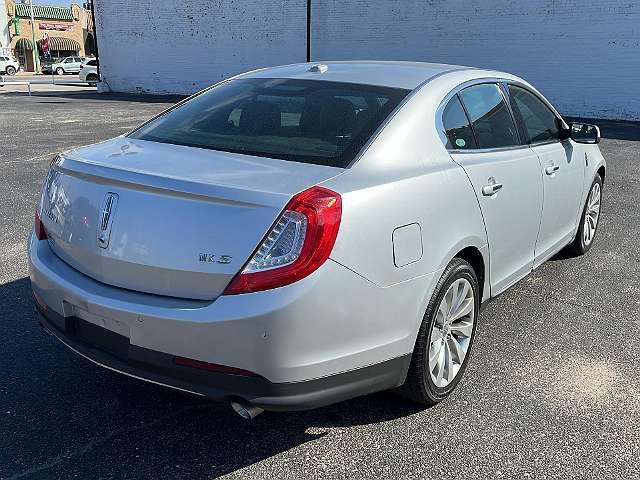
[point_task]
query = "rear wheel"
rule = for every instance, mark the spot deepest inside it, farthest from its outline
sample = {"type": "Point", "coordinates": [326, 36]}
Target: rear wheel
{"type": "Point", "coordinates": [589, 220]}
{"type": "Point", "coordinates": [443, 346]}
{"type": "Point", "coordinates": [11, 70]}
{"type": "Point", "coordinates": [92, 79]}
{"type": "Point", "coordinates": [59, 71]}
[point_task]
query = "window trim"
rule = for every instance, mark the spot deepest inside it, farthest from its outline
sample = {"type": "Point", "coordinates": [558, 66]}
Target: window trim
{"type": "Point", "coordinates": [442, 133]}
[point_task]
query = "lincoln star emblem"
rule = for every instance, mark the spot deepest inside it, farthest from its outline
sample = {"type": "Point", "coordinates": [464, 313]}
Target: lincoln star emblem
{"type": "Point", "coordinates": [106, 219]}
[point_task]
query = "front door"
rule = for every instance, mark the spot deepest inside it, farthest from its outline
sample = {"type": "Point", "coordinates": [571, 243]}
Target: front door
{"type": "Point", "coordinates": [505, 176]}
{"type": "Point", "coordinates": [562, 170]}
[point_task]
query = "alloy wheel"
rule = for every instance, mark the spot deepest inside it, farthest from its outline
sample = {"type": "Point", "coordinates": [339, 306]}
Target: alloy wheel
{"type": "Point", "coordinates": [451, 333]}
{"type": "Point", "coordinates": [592, 215]}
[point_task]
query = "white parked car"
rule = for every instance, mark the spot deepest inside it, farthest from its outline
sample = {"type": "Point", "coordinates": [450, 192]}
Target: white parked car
{"type": "Point", "coordinates": [67, 65]}
{"type": "Point", "coordinates": [8, 65]}
{"type": "Point", "coordinates": [89, 71]}
{"type": "Point", "coordinates": [300, 235]}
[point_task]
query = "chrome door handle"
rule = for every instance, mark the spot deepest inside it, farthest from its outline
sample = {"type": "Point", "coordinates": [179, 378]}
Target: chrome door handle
{"type": "Point", "coordinates": [552, 169]}
{"type": "Point", "coordinates": [489, 190]}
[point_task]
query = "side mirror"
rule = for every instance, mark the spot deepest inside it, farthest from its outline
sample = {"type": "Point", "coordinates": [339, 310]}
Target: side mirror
{"type": "Point", "coordinates": [584, 133]}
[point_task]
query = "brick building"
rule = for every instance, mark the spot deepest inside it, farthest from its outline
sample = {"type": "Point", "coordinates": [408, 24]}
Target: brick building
{"type": "Point", "coordinates": [584, 55]}
{"type": "Point", "coordinates": [65, 26]}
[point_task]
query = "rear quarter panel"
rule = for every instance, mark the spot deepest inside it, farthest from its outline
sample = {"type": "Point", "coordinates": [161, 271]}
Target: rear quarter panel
{"type": "Point", "coordinates": [406, 176]}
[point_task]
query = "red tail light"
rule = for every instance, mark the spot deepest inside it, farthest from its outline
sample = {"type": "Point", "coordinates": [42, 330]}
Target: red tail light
{"type": "Point", "coordinates": [296, 246]}
{"type": "Point", "coordinates": [41, 233]}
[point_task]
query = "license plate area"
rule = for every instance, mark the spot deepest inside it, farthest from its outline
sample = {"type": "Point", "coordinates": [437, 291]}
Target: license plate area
{"type": "Point", "coordinates": [104, 334]}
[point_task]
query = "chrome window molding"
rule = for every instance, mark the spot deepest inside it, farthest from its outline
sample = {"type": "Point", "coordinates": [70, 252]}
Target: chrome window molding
{"type": "Point", "coordinates": [442, 133]}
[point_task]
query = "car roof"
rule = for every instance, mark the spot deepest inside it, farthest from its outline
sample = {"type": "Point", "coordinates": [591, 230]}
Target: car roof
{"type": "Point", "coordinates": [408, 75]}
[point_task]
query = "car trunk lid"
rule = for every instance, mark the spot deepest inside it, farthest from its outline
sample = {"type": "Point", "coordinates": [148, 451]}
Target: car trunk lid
{"type": "Point", "coordinates": [166, 219]}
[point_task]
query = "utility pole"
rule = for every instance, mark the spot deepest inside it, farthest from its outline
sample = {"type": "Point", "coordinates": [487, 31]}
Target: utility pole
{"type": "Point", "coordinates": [36, 57]}
{"type": "Point", "coordinates": [308, 30]}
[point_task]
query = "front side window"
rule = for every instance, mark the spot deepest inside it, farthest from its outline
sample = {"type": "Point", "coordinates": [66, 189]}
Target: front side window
{"type": "Point", "coordinates": [490, 117]}
{"type": "Point", "coordinates": [540, 123]}
{"type": "Point", "coordinates": [310, 121]}
{"type": "Point", "coordinates": [456, 124]}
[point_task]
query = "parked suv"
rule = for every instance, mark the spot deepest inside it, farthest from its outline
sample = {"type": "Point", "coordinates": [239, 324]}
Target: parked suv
{"type": "Point", "coordinates": [67, 65]}
{"type": "Point", "coordinates": [9, 65]}
{"type": "Point", "coordinates": [89, 71]}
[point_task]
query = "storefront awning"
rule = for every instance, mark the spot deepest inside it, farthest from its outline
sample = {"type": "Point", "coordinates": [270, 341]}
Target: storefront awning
{"type": "Point", "coordinates": [44, 12]}
{"type": "Point", "coordinates": [24, 44]}
{"type": "Point", "coordinates": [62, 43]}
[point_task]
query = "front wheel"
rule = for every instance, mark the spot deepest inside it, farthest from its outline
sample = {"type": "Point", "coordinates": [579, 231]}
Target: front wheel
{"type": "Point", "coordinates": [589, 219]}
{"type": "Point", "coordinates": [59, 71]}
{"type": "Point", "coordinates": [443, 346]}
{"type": "Point", "coordinates": [11, 70]}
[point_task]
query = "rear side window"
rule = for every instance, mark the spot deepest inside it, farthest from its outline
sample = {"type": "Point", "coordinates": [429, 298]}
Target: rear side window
{"type": "Point", "coordinates": [540, 123]}
{"type": "Point", "coordinates": [310, 121]}
{"type": "Point", "coordinates": [92, 63]}
{"type": "Point", "coordinates": [456, 124]}
{"type": "Point", "coordinates": [490, 117]}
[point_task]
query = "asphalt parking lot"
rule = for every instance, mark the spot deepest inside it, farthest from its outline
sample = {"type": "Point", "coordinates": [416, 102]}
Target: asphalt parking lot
{"type": "Point", "coordinates": [552, 391]}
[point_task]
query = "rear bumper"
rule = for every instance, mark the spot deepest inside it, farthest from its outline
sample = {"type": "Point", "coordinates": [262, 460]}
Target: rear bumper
{"type": "Point", "coordinates": [328, 337]}
{"type": "Point", "coordinates": [113, 351]}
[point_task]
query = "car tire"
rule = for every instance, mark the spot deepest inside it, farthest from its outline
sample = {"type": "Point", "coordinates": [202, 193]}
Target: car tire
{"type": "Point", "coordinates": [589, 220]}
{"type": "Point", "coordinates": [59, 71]}
{"type": "Point", "coordinates": [11, 70]}
{"type": "Point", "coordinates": [92, 79]}
{"type": "Point", "coordinates": [420, 385]}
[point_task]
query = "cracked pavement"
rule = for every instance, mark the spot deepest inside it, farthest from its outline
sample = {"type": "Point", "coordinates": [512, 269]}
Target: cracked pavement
{"type": "Point", "coordinates": [552, 390]}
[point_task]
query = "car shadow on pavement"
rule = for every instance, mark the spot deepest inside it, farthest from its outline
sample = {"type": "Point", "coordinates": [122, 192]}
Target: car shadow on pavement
{"type": "Point", "coordinates": [64, 416]}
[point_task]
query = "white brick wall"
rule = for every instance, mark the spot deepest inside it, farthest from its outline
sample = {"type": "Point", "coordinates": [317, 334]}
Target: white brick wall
{"type": "Point", "coordinates": [180, 46]}
{"type": "Point", "coordinates": [584, 55]}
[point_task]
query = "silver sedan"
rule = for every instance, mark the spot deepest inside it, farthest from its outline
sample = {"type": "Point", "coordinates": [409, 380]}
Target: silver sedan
{"type": "Point", "coordinates": [299, 235]}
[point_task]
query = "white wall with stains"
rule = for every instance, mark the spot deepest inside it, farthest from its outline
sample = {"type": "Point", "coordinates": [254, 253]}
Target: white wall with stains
{"type": "Point", "coordinates": [181, 46]}
{"type": "Point", "coordinates": [584, 55]}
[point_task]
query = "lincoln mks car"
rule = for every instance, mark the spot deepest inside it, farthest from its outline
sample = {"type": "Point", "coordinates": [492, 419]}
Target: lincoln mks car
{"type": "Point", "coordinates": [300, 235]}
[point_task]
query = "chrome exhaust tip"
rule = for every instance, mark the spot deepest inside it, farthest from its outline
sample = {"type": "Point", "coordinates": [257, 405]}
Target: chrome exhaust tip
{"type": "Point", "coordinates": [245, 409]}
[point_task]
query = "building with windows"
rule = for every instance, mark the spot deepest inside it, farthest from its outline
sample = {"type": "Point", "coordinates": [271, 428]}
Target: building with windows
{"type": "Point", "coordinates": [66, 28]}
{"type": "Point", "coordinates": [582, 55]}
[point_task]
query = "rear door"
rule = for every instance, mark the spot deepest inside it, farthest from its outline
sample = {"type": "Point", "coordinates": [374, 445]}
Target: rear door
{"type": "Point", "coordinates": [562, 168]}
{"type": "Point", "coordinates": [505, 176]}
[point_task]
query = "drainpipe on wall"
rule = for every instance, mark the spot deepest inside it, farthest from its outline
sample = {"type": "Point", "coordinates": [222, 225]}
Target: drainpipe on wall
{"type": "Point", "coordinates": [95, 36]}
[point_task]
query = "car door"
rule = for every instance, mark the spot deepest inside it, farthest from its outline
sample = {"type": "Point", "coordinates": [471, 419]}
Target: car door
{"type": "Point", "coordinates": [561, 166]}
{"type": "Point", "coordinates": [67, 65]}
{"type": "Point", "coordinates": [505, 175]}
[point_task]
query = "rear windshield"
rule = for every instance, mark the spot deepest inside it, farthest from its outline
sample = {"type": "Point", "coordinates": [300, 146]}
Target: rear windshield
{"type": "Point", "coordinates": [310, 121]}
